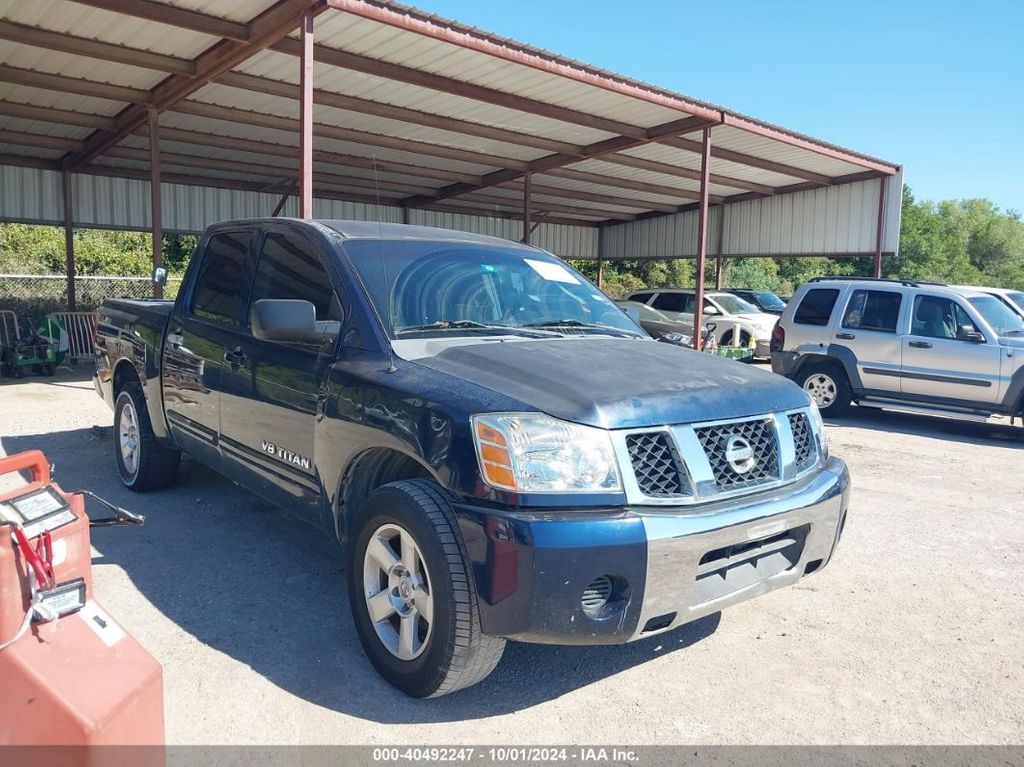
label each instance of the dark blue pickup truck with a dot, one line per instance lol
(503, 452)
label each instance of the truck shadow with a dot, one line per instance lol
(248, 581)
(968, 432)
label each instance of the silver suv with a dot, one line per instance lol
(909, 346)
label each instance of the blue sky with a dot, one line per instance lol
(936, 86)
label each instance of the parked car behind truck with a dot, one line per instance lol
(500, 449)
(904, 345)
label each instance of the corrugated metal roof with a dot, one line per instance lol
(476, 104)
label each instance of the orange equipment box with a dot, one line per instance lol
(76, 679)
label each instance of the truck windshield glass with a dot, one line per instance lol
(449, 288)
(734, 304)
(770, 300)
(998, 315)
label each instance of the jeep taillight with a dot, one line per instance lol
(778, 338)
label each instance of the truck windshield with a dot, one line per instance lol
(998, 315)
(770, 300)
(450, 288)
(731, 304)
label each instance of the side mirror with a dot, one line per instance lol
(159, 275)
(284, 319)
(633, 313)
(710, 311)
(968, 333)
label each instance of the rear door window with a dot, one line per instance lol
(222, 286)
(670, 302)
(876, 310)
(816, 307)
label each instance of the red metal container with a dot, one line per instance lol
(79, 680)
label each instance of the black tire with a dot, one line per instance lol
(156, 464)
(828, 386)
(726, 339)
(455, 653)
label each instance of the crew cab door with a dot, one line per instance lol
(192, 363)
(868, 325)
(939, 364)
(273, 395)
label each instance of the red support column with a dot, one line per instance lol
(526, 209)
(154, 196)
(306, 119)
(702, 237)
(69, 239)
(880, 233)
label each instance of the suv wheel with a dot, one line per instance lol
(827, 385)
(412, 596)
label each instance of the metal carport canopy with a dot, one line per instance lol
(408, 117)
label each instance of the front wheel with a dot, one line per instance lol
(828, 386)
(413, 600)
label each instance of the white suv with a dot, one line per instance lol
(903, 345)
(731, 315)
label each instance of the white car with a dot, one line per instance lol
(731, 314)
(1012, 298)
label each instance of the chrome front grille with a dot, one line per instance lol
(804, 445)
(759, 435)
(687, 464)
(659, 471)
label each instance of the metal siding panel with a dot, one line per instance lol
(893, 213)
(30, 194)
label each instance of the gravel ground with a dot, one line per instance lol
(913, 634)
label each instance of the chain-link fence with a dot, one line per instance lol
(33, 296)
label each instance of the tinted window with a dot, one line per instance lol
(936, 317)
(290, 267)
(642, 298)
(816, 306)
(673, 302)
(873, 310)
(221, 288)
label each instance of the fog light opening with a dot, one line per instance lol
(812, 566)
(658, 623)
(604, 597)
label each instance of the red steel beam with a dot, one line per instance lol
(83, 46)
(154, 196)
(880, 231)
(702, 235)
(163, 13)
(264, 30)
(69, 238)
(306, 119)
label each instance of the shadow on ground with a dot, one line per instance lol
(969, 432)
(246, 580)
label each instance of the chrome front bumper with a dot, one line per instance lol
(703, 561)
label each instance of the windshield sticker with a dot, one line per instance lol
(552, 272)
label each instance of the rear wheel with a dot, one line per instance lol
(828, 386)
(143, 462)
(413, 600)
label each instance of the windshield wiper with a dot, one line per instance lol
(467, 325)
(581, 324)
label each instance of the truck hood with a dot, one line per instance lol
(762, 322)
(617, 383)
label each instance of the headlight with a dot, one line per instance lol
(819, 429)
(535, 453)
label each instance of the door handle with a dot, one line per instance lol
(920, 344)
(846, 336)
(235, 358)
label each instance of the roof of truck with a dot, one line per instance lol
(374, 230)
